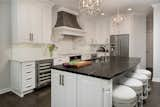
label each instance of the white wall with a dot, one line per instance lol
(156, 43)
(135, 26)
(138, 39)
(4, 43)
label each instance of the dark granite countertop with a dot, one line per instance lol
(105, 67)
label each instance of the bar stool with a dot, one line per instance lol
(143, 79)
(124, 96)
(148, 74)
(137, 86)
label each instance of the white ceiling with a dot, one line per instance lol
(110, 6)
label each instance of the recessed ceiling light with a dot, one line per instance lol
(102, 14)
(130, 9)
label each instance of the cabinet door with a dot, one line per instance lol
(36, 21)
(46, 22)
(29, 21)
(107, 98)
(89, 92)
(63, 89)
(107, 93)
(23, 21)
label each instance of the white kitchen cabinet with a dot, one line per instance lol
(36, 21)
(75, 90)
(93, 92)
(90, 92)
(31, 21)
(22, 77)
(47, 23)
(64, 86)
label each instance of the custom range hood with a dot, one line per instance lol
(67, 23)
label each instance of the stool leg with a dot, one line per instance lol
(145, 91)
(141, 100)
(149, 85)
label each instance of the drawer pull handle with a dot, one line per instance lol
(60, 79)
(29, 86)
(29, 65)
(29, 72)
(28, 78)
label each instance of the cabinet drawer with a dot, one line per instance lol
(28, 83)
(28, 77)
(28, 87)
(28, 65)
(28, 68)
(28, 73)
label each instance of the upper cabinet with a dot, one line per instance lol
(31, 21)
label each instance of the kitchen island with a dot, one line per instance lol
(89, 86)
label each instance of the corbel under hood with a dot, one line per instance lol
(67, 23)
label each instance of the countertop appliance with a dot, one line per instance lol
(119, 45)
(94, 56)
(102, 51)
(43, 72)
(76, 57)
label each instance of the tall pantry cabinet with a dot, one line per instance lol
(31, 21)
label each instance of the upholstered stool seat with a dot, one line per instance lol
(144, 80)
(124, 96)
(145, 72)
(148, 74)
(137, 86)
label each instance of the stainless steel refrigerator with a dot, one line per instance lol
(119, 45)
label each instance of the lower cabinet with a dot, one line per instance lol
(63, 89)
(89, 92)
(22, 77)
(74, 90)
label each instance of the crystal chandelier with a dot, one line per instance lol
(90, 7)
(118, 18)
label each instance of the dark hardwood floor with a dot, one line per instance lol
(154, 97)
(42, 98)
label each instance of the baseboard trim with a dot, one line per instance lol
(17, 93)
(6, 90)
(156, 79)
